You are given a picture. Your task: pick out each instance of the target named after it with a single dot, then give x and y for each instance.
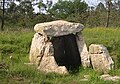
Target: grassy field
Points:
(17, 44)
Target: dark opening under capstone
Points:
(66, 51)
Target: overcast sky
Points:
(89, 2)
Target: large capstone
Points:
(58, 28)
(58, 46)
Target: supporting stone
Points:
(37, 47)
(84, 54)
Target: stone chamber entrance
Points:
(66, 51)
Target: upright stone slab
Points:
(83, 50)
(42, 51)
(100, 58)
(37, 47)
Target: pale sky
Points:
(37, 9)
(89, 2)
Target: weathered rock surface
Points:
(37, 47)
(100, 58)
(42, 54)
(107, 77)
(48, 64)
(58, 28)
(84, 54)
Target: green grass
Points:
(17, 44)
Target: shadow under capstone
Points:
(66, 52)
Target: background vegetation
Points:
(106, 13)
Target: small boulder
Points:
(107, 77)
(100, 58)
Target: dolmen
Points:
(58, 46)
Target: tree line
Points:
(22, 14)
